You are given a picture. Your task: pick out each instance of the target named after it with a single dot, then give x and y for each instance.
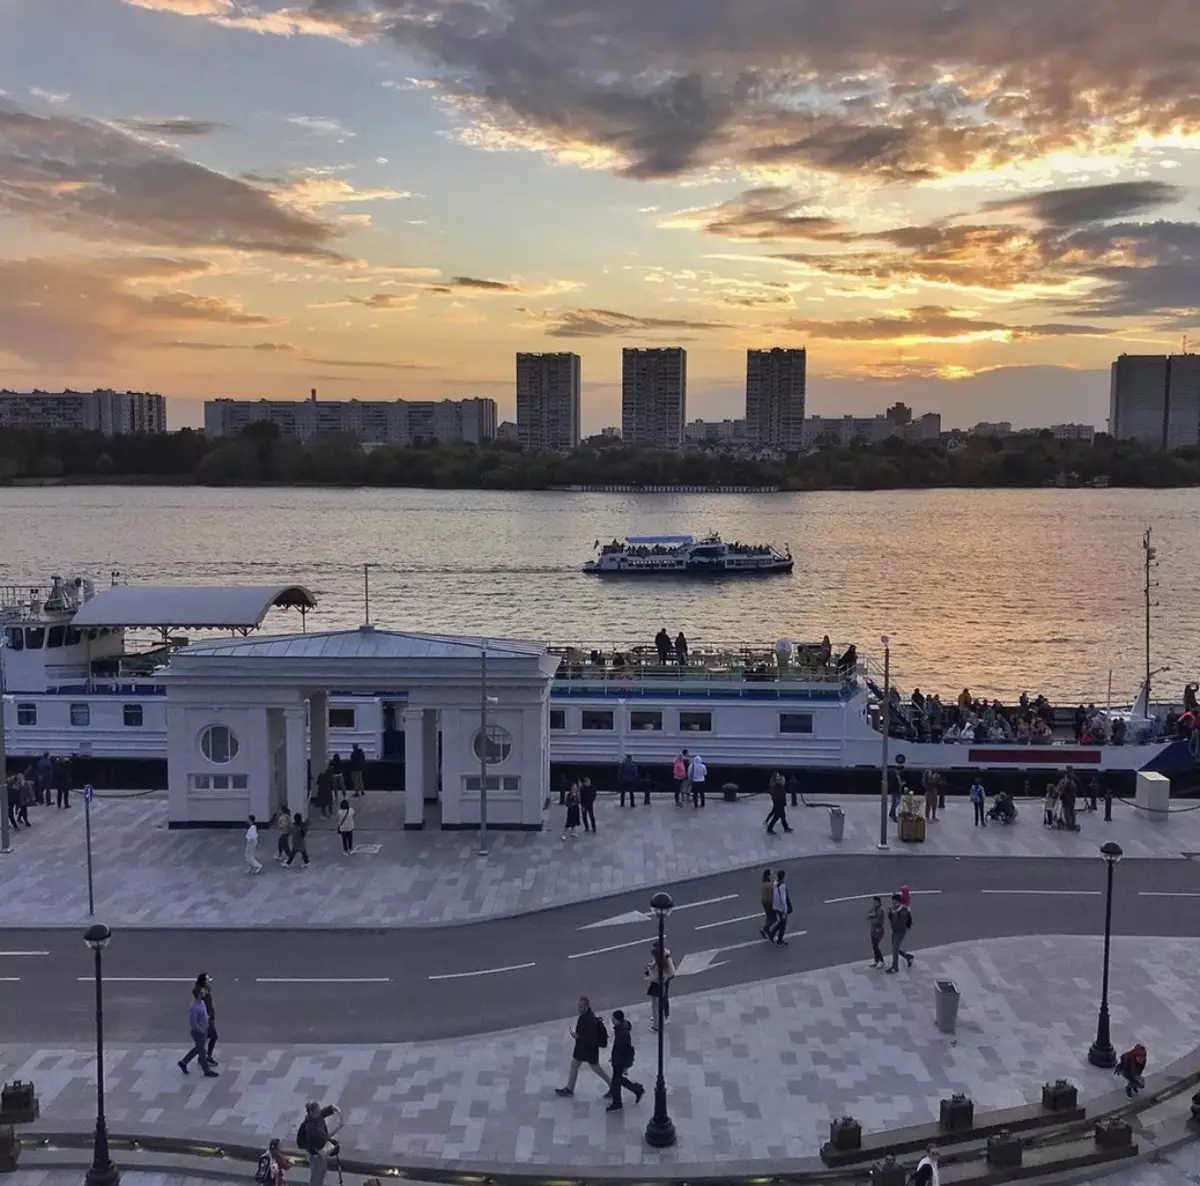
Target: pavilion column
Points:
(297, 759)
(318, 736)
(414, 768)
(429, 726)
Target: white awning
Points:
(214, 607)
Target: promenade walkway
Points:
(755, 1072)
(149, 876)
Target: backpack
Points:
(302, 1136)
(601, 1033)
(262, 1174)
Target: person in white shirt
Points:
(345, 827)
(927, 1169)
(697, 773)
(783, 907)
(253, 865)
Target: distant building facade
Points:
(927, 427)
(375, 422)
(548, 414)
(1073, 432)
(986, 428)
(776, 384)
(847, 430)
(716, 432)
(654, 397)
(114, 413)
(1155, 399)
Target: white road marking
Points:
(482, 972)
(867, 897)
(1048, 893)
(322, 980)
(616, 947)
(21, 953)
(708, 926)
(1164, 894)
(139, 979)
(10, 979)
(703, 961)
(646, 915)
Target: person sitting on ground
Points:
(1132, 1064)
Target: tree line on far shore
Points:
(260, 456)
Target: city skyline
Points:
(368, 203)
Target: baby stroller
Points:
(1003, 810)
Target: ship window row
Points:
(603, 720)
(36, 638)
(132, 716)
(218, 782)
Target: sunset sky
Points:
(972, 206)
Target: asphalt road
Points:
(388, 986)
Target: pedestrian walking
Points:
(62, 782)
(13, 804)
(697, 776)
(622, 1060)
(198, 1028)
(590, 1037)
(44, 773)
(782, 904)
(778, 812)
(358, 767)
(900, 919)
(283, 846)
(204, 984)
(587, 805)
(315, 1136)
(338, 770)
(660, 971)
(253, 865)
(345, 826)
(897, 792)
(929, 786)
(299, 840)
(978, 802)
(767, 894)
(627, 780)
(325, 793)
(875, 920)
(572, 813)
(25, 797)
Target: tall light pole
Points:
(660, 1131)
(886, 725)
(1150, 556)
(483, 747)
(102, 1171)
(1102, 1053)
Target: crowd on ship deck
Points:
(972, 721)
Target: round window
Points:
(499, 744)
(219, 744)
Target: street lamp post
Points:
(5, 842)
(885, 728)
(660, 1131)
(1102, 1053)
(102, 1171)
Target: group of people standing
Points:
(33, 787)
(665, 647)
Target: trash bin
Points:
(837, 823)
(945, 1001)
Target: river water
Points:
(1000, 591)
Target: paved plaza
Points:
(147, 875)
(755, 1072)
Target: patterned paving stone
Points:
(755, 1072)
(149, 876)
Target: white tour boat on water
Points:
(684, 555)
(75, 682)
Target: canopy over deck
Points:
(638, 540)
(196, 607)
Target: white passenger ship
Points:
(76, 682)
(684, 555)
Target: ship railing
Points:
(638, 665)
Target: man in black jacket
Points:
(622, 1060)
(62, 782)
(315, 1138)
(590, 1036)
(778, 813)
(627, 780)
